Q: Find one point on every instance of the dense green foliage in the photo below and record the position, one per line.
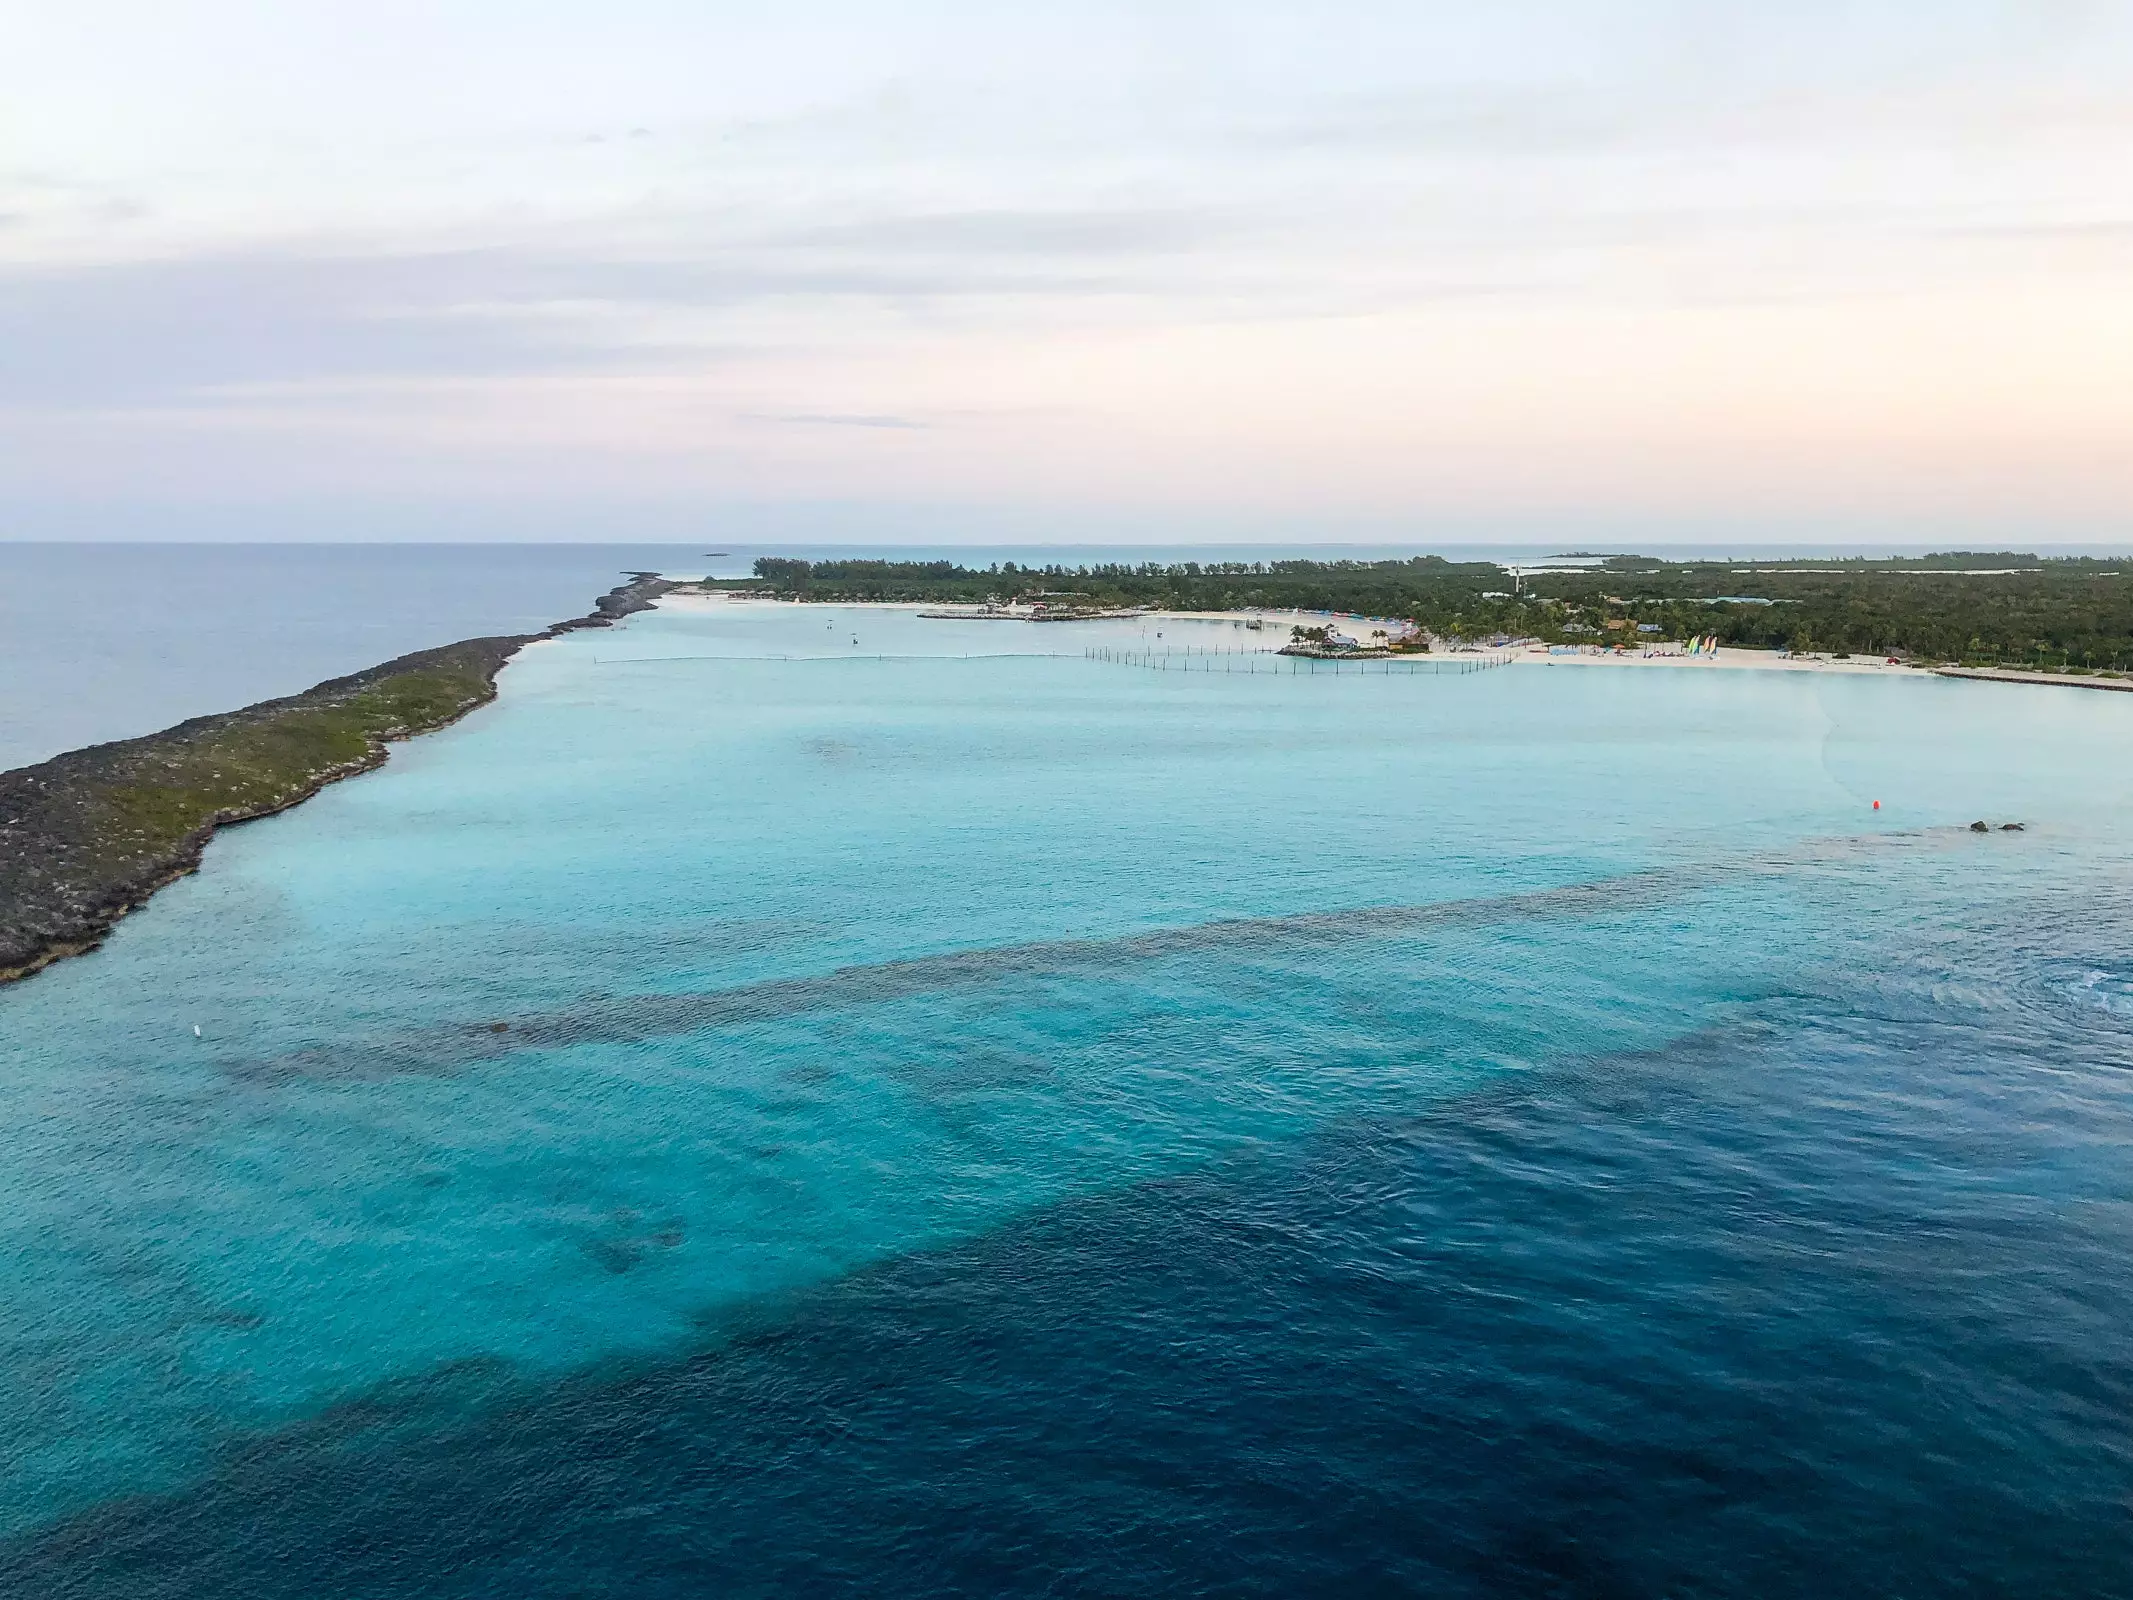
(1999, 608)
(244, 767)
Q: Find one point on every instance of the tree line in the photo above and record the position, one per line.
(1980, 608)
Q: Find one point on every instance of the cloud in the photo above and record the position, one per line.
(1049, 235)
(1212, 238)
(159, 330)
(555, 299)
(2103, 232)
(837, 420)
(149, 331)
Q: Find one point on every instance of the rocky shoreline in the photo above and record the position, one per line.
(87, 836)
(2065, 679)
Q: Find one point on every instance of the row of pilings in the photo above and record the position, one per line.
(1189, 658)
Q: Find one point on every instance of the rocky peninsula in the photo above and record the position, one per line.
(87, 836)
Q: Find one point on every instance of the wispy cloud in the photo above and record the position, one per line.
(837, 420)
(1319, 253)
(1047, 235)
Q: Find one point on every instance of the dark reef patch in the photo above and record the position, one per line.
(1652, 1326)
(632, 1018)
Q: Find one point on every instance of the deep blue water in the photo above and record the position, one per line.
(978, 1121)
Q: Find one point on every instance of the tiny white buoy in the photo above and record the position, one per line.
(196, 1030)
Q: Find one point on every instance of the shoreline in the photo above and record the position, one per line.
(2065, 680)
(1730, 658)
(92, 834)
(89, 835)
(1275, 622)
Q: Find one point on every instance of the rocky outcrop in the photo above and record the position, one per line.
(87, 836)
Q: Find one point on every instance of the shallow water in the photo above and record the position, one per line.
(972, 1117)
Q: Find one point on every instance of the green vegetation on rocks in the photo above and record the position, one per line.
(87, 836)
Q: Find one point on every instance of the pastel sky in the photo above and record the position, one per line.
(1417, 271)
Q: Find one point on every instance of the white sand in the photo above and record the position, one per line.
(1278, 623)
(1273, 632)
(718, 600)
(1728, 657)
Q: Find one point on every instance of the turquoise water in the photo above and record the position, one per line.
(829, 945)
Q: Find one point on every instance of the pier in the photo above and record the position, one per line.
(1188, 658)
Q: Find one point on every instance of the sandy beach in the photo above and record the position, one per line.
(1727, 658)
(1272, 631)
(1276, 625)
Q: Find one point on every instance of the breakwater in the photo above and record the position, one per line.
(89, 835)
(2064, 679)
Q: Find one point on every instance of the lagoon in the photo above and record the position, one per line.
(964, 1111)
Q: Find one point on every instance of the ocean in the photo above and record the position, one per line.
(106, 641)
(813, 1100)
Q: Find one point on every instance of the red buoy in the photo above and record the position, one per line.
(1877, 805)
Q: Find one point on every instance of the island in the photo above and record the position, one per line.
(89, 835)
(1329, 643)
(2049, 619)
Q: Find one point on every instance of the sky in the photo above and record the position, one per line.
(985, 273)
